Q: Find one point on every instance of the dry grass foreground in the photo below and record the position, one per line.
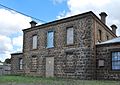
(27, 80)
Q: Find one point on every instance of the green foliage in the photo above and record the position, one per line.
(7, 61)
(53, 81)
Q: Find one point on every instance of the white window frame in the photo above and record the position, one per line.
(34, 42)
(50, 40)
(70, 36)
(20, 63)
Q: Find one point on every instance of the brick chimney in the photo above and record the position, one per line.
(114, 27)
(103, 16)
(33, 23)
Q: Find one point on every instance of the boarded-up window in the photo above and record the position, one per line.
(70, 63)
(70, 36)
(107, 37)
(34, 63)
(50, 39)
(100, 34)
(34, 42)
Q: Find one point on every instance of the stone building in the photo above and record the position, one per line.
(5, 69)
(68, 48)
(108, 58)
(17, 63)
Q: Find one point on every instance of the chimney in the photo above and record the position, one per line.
(33, 23)
(103, 16)
(114, 27)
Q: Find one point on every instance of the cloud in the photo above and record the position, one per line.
(11, 25)
(17, 41)
(5, 44)
(5, 47)
(109, 6)
(5, 55)
(12, 22)
(80, 6)
(58, 1)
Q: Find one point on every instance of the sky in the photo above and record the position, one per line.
(12, 23)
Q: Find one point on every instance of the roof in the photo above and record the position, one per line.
(64, 20)
(67, 19)
(18, 53)
(114, 40)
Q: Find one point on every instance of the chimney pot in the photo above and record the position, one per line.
(114, 27)
(103, 16)
(33, 23)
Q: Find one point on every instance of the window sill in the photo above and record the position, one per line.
(50, 47)
(20, 70)
(115, 71)
(33, 70)
(99, 67)
(70, 44)
(34, 49)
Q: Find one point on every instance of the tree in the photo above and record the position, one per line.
(7, 61)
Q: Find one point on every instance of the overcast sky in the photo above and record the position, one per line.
(12, 23)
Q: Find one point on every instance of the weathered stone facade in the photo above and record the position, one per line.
(15, 63)
(104, 53)
(77, 60)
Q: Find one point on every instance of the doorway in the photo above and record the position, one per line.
(49, 66)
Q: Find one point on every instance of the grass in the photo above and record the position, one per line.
(53, 81)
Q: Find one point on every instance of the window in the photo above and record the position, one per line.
(20, 63)
(107, 37)
(115, 60)
(50, 39)
(34, 63)
(70, 36)
(100, 35)
(70, 63)
(34, 42)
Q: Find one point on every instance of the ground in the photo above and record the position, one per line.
(25, 80)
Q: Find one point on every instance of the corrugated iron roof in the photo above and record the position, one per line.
(114, 40)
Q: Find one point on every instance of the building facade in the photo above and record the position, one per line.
(108, 58)
(5, 69)
(64, 48)
(17, 63)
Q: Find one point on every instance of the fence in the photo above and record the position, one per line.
(5, 69)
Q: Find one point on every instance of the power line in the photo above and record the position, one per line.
(21, 13)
